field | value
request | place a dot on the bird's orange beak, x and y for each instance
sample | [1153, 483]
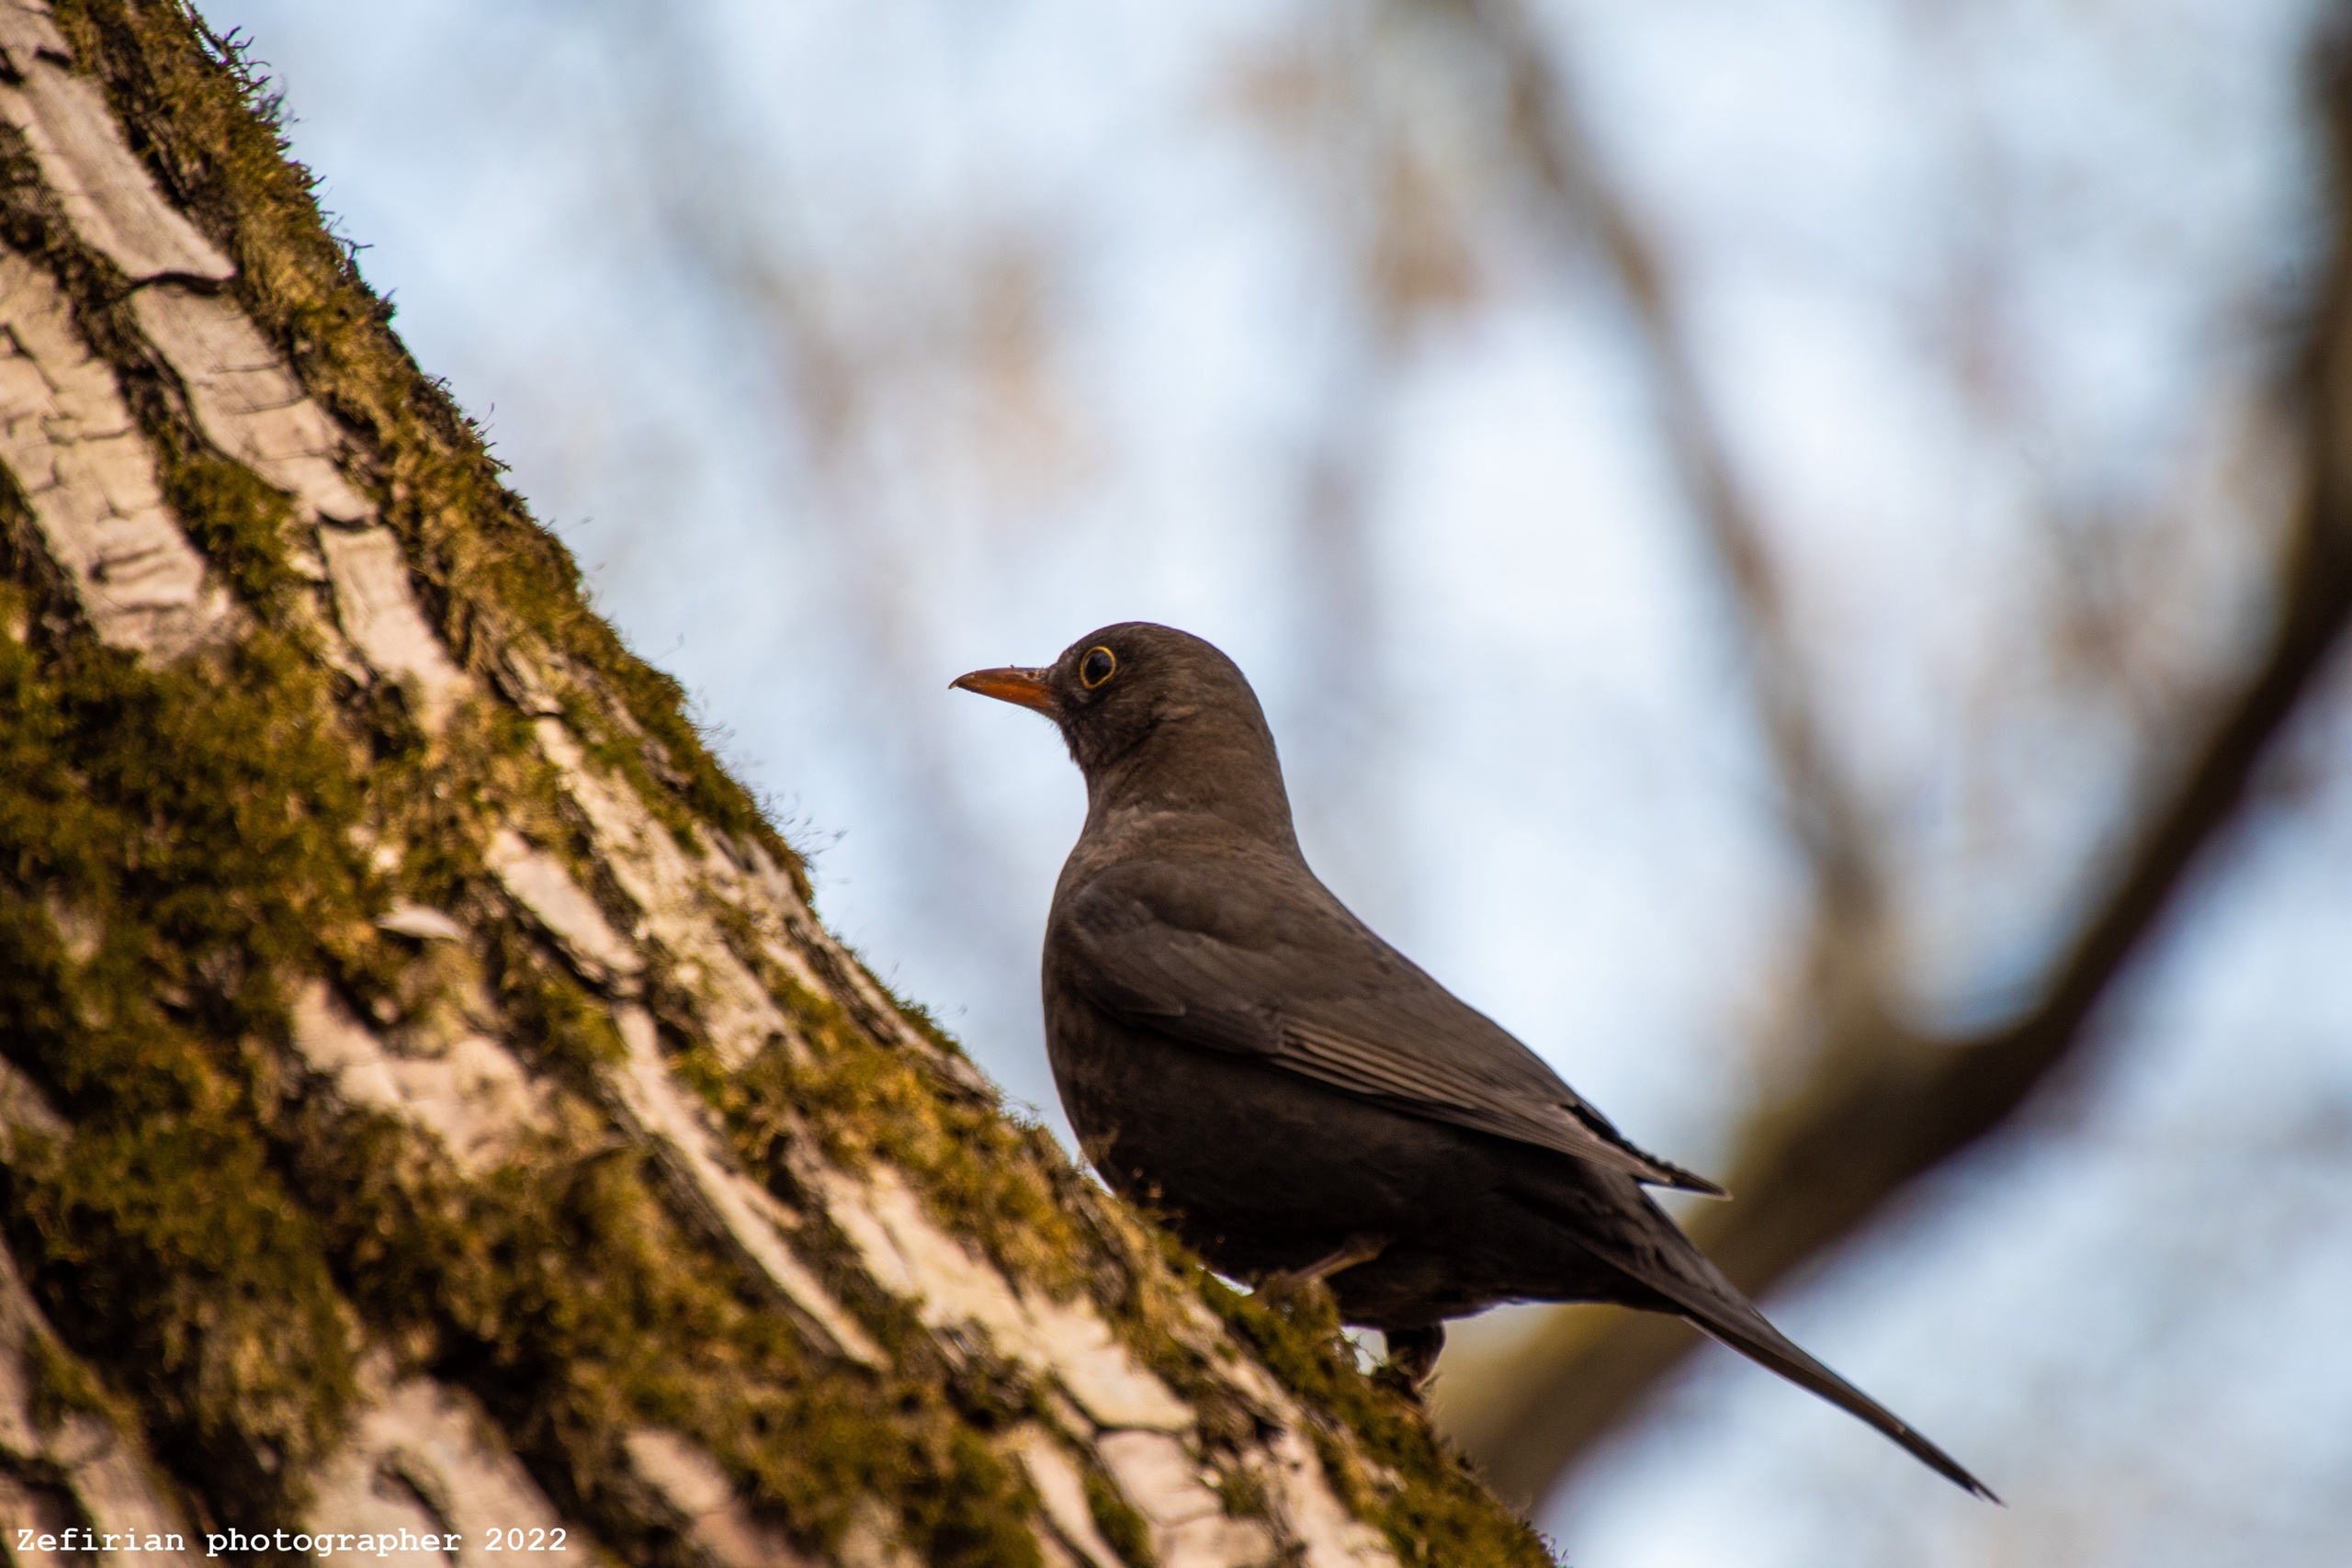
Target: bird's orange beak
[1026, 687]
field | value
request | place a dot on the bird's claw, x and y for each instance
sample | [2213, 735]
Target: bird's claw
[1287, 1289]
[1412, 1358]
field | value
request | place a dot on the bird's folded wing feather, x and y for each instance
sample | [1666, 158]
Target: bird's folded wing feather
[1267, 963]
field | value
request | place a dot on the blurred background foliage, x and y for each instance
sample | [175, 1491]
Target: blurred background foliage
[1772, 533]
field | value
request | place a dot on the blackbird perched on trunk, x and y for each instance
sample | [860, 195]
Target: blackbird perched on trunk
[1237, 1049]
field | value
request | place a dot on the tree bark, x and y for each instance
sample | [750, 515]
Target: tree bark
[435, 1125]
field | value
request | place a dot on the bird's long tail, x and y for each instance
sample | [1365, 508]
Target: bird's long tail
[1700, 1292]
[1756, 1339]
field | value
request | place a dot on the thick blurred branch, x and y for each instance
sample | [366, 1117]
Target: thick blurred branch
[1879, 1105]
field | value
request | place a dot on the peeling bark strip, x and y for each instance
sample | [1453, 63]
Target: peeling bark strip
[431, 1108]
[89, 476]
[84, 160]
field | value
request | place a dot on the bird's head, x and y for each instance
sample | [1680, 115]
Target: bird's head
[1154, 717]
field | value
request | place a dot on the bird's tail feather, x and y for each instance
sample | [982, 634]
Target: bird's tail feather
[1745, 1329]
[1761, 1342]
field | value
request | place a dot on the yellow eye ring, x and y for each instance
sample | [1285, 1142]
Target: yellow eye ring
[1099, 665]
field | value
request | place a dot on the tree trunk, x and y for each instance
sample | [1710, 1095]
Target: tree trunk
[435, 1127]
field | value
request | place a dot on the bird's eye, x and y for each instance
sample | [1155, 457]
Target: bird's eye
[1099, 665]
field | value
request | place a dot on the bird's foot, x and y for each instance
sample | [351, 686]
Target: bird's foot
[1286, 1289]
[1412, 1358]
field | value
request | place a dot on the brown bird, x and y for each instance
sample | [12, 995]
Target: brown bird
[1237, 1049]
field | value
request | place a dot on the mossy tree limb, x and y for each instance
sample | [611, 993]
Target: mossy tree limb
[429, 1102]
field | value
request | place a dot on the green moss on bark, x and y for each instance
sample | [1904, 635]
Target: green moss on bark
[198, 1235]
[1123, 1529]
[1425, 1498]
[979, 1175]
[239, 522]
[209, 129]
[561, 1294]
[190, 818]
[211, 822]
[58, 1385]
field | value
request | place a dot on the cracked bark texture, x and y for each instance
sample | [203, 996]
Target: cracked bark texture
[429, 1102]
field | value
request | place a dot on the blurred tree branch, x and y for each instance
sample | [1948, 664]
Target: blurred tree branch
[1825, 811]
[1878, 1103]
[1845, 979]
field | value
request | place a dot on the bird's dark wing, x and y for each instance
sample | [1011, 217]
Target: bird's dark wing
[1255, 956]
